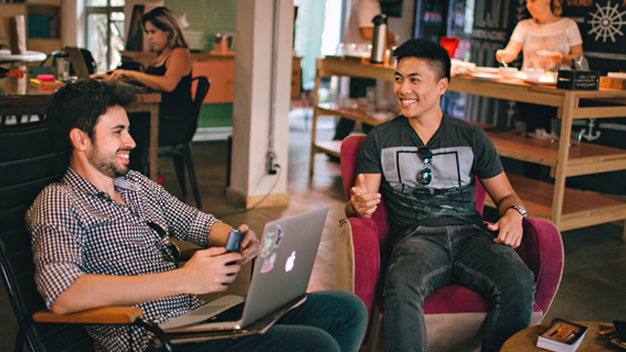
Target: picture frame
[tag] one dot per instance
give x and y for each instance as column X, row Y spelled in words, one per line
column 134, row 41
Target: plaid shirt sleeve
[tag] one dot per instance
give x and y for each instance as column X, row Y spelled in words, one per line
column 57, row 242
column 185, row 222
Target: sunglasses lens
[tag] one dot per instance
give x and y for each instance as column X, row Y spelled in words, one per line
column 425, row 176
column 173, row 248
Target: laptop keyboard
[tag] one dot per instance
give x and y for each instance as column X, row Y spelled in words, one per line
column 233, row 313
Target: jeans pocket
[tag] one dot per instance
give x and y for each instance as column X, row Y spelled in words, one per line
column 406, row 235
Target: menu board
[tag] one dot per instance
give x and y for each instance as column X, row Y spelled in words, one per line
column 602, row 25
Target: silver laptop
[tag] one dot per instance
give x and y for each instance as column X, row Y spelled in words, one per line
column 279, row 281
column 76, row 58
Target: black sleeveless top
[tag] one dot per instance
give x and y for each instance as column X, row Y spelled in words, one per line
column 175, row 108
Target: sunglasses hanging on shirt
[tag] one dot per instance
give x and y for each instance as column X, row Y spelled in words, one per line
column 425, row 176
column 173, row 254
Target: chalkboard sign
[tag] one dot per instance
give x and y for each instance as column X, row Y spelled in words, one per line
column 602, row 25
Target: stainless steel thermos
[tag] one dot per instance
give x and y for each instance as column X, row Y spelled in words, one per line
column 379, row 39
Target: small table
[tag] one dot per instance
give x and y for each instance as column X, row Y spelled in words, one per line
column 526, row 340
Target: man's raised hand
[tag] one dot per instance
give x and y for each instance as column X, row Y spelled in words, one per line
column 362, row 204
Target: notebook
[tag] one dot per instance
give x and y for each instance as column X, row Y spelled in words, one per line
column 76, row 58
column 279, row 282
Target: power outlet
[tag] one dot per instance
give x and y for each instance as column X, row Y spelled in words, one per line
column 270, row 166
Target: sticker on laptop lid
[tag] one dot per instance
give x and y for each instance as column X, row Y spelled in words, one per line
column 272, row 240
column 268, row 263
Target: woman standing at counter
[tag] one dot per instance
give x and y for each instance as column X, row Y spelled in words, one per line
column 170, row 73
column 547, row 40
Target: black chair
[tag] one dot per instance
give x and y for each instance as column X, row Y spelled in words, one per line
column 27, row 164
column 181, row 152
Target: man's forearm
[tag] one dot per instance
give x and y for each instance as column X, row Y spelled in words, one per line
column 219, row 234
column 349, row 210
column 508, row 202
column 93, row 291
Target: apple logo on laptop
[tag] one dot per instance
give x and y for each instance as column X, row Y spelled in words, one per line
column 289, row 264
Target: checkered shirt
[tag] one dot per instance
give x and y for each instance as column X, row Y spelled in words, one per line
column 77, row 229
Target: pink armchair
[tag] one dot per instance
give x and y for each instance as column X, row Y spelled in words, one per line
column 455, row 316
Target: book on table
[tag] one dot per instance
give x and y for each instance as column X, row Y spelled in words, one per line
column 561, row 336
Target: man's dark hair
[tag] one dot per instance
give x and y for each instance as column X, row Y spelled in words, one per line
column 427, row 50
column 80, row 104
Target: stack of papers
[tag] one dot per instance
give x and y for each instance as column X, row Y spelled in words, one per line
column 562, row 336
column 620, row 75
column 37, row 83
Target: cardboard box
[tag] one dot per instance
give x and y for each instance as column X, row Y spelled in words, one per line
column 612, row 83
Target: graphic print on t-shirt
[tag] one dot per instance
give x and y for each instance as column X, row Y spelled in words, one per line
column 451, row 167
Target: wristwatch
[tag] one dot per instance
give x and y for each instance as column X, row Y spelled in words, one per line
column 520, row 209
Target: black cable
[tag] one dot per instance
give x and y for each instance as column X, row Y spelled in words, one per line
column 260, row 201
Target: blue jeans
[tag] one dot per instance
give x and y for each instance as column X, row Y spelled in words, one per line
column 432, row 257
column 327, row 321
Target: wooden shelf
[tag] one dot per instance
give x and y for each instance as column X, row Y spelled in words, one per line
column 580, row 208
column 47, row 8
column 357, row 114
column 583, row 159
column 330, row 147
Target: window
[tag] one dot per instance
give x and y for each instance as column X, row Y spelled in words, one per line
column 105, row 32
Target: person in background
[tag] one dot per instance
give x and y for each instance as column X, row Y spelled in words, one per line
column 548, row 42
column 170, row 73
column 101, row 237
column 360, row 31
column 425, row 164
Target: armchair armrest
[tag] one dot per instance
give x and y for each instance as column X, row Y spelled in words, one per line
column 542, row 251
column 104, row 315
column 358, row 259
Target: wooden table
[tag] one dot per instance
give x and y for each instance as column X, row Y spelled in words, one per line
column 566, row 208
column 18, row 97
column 526, row 340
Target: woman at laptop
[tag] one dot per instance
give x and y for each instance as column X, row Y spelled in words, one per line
column 170, row 73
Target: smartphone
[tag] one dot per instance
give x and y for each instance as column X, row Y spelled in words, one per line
column 620, row 327
column 234, row 241
column 233, row 244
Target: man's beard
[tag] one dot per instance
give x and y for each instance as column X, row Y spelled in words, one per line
column 108, row 167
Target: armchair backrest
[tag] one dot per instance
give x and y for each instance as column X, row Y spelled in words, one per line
column 27, row 164
column 350, row 151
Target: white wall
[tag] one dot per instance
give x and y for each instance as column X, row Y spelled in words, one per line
column 253, row 97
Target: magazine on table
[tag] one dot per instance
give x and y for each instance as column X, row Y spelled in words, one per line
column 562, row 336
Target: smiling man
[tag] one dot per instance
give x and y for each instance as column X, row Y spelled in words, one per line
column 101, row 237
column 425, row 164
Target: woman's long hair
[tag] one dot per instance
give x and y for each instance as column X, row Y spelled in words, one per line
column 557, row 8
column 165, row 20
